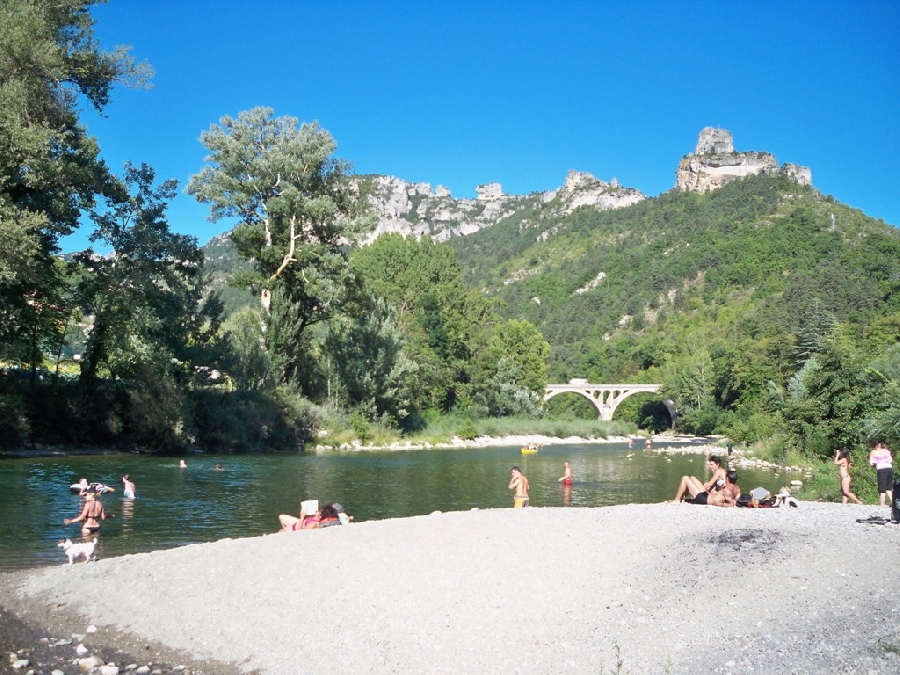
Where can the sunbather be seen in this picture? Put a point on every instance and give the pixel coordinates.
(698, 490)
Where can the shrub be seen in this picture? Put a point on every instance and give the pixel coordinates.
(467, 431)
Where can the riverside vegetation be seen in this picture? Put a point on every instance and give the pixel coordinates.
(768, 311)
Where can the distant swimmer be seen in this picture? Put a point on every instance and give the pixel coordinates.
(130, 491)
(182, 465)
(566, 478)
(519, 483)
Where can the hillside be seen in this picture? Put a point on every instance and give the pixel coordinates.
(721, 289)
(749, 259)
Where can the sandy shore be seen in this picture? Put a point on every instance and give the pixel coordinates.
(668, 589)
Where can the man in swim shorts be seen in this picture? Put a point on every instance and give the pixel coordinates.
(700, 491)
(729, 493)
(519, 483)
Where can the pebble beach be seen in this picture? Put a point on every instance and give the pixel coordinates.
(653, 588)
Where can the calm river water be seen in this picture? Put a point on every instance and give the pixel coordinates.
(198, 504)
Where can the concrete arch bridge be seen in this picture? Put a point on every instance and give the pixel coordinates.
(606, 397)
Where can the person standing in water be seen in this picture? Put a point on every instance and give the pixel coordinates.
(566, 478)
(91, 514)
(842, 460)
(130, 492)
(519, 483)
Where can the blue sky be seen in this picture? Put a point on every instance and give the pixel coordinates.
(464, 93)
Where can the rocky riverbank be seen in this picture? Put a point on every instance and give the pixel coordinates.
(658, 588)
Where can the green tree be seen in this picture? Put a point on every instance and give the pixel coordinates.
(245, 358)
(145, 295)
(826, 405)
(444, 323)
(296, 209)
(50, 170)
(372, 369)
(521, 345)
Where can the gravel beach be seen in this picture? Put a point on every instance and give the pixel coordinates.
(639, 589)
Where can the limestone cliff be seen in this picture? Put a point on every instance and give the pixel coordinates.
(714, 162)
(417, 209)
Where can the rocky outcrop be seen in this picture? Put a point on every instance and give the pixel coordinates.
(416, 209)
(582, 189)
(714, 162)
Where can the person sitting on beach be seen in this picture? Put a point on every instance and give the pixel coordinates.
(696, 489)
(729, 493)
(291, 523)
(519, 483)
(566, 478)
(91, 514)
(327, 517)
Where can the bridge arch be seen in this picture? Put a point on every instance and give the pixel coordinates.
(606, 397)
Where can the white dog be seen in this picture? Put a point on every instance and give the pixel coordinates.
(76, 550)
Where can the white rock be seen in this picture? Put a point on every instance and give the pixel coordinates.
(109, 670)
(20, 663)
(91, 629)
(81, 650)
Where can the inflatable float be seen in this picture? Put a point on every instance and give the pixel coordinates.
(530, 449)
(97, 488)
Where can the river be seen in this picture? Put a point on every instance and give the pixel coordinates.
(177, 506)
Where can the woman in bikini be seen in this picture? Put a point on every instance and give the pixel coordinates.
(842, 459)
(91, 514)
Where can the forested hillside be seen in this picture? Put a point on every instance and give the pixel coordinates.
(722, 296)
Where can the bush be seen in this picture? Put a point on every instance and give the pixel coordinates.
(467, 431)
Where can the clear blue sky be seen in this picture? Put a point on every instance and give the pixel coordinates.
(463, 93)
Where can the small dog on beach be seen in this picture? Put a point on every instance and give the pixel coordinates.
(76, 550)
(785, 497)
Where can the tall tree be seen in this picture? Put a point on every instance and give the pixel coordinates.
(445, 323)
(50, 170)
(296, 208)
(144, 297)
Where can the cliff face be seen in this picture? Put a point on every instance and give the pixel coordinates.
(417, 209)
(714, 162)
